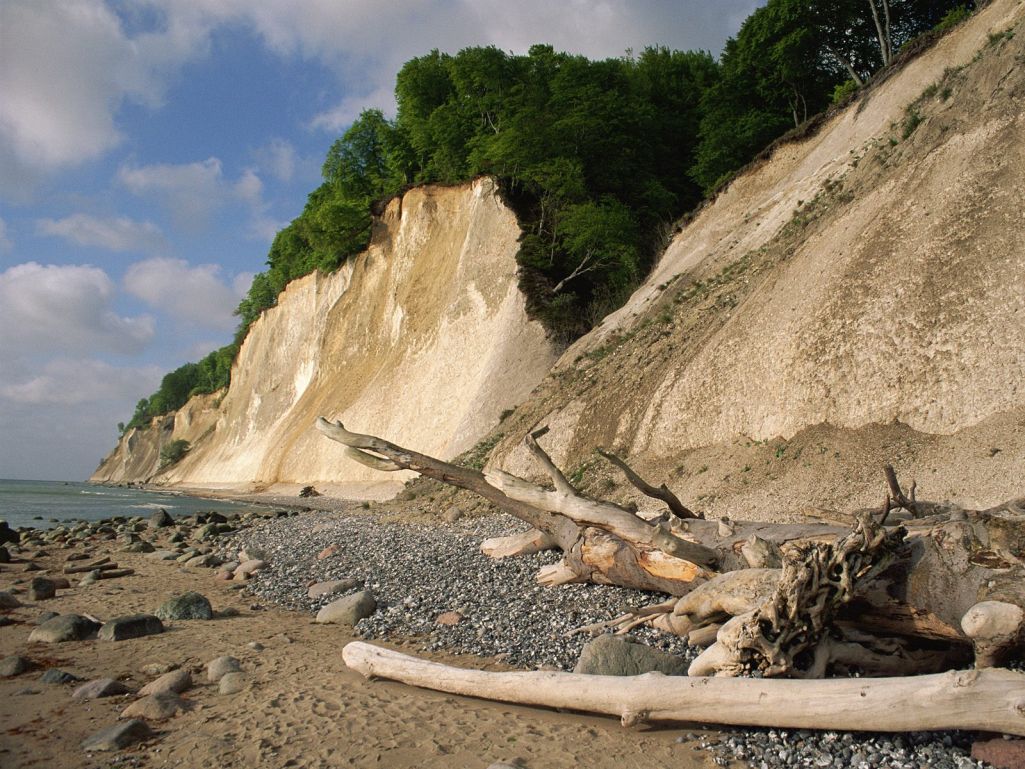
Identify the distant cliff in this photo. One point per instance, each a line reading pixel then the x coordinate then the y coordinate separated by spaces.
pixel 422 338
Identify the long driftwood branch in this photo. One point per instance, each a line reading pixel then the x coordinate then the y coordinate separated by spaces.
pixel 663 493
pixel 990 699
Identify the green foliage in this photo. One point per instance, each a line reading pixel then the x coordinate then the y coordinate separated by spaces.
pixel 953 17
pixel 843 91
pixel 173 452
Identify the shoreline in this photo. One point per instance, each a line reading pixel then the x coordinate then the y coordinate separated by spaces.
pixel 301 706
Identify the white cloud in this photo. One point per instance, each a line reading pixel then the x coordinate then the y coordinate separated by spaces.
pixel 194 296
pixel 66 381
pixel 58 308
pixel 5 241
pixel 279 158
pixel 66 67
pixel 117 234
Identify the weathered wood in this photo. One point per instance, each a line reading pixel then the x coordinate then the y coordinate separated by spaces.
pixel 525 543
pixel 663 493
pixel 991 699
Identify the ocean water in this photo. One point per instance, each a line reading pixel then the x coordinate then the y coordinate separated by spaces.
pixel 43 504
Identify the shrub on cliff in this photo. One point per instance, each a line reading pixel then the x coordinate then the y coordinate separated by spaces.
pixel 173 452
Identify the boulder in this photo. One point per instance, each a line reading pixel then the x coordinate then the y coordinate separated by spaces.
pixel 163 555
pixel 250 553
pixel 118 736
pixel 186 606
pixel 41 589
pixel 216 669
pixel 610 655
pixel 101 687
pixel 321 589
pixel 156 707
pixel 8 601
pixel 5 555
pixel 160 519
pixel 130 626
pixel 64 627
pixel 232 683
pixel 246 569
pixel 348 610
pixel 7 534
pixel 15 665
pixel 208 560
pixel 175 682
pixel 58 676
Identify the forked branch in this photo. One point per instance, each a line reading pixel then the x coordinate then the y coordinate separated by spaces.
pixel 676 507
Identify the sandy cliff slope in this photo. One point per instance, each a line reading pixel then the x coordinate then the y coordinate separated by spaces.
pixel 422 338
pixel 857 297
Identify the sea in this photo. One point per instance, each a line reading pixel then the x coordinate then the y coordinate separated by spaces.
pixel 44 504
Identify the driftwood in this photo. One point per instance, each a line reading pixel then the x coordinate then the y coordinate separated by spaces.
pixel 990 699
pixel 927 590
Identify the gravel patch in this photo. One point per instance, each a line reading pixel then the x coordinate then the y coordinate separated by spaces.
pixel 418 572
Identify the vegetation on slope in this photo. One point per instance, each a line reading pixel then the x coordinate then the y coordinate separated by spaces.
pixel 598 158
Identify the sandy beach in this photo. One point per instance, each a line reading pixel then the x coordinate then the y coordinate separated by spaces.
pixel 300 706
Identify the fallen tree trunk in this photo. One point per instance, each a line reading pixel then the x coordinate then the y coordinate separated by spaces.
pixel 989 699
pixel 908 601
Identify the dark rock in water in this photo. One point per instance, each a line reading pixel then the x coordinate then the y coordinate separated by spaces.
pixel 130 626
pixel 118 736
pixel 610 655
pixel 188 606
pixel 66 627
pixel 58 676
pixel 46 616
pixel 15 666
pixel 101 687
pixel 41 588
pixel 160 519
pixel 7 534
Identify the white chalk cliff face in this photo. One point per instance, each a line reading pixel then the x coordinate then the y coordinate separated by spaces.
pixel 423 338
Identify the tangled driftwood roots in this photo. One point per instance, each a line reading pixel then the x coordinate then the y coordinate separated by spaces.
pixel 777 600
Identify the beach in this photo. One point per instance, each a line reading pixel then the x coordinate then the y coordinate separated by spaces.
pixel 299 706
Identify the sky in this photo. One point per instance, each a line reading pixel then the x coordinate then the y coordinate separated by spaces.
pixel 150 149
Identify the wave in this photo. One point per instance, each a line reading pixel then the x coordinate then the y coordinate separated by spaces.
pixel 151 506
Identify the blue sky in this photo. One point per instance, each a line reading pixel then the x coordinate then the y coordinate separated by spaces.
pixel 149 151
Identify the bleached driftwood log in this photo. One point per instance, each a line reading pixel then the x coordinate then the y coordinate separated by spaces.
pixel 990 699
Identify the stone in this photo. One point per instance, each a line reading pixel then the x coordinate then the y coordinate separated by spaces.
pixel 448 618
pixel 41 589
pixel 611 655
pixel 65 627
pixel 175 682
pixel 163 555
pixel 218 668
pixel 190 605
pixel 321 589
pixel 1000 753
pixel 207 560
pixel 256 646
pixel 250 553
pixel 61 583
pixel 156 707
pixel 328 551
pixel 452 515
pixel 158 668
pixel 232 683
pixel 130 626
pixel 7 534
pixel 160 519
pixel 246 569
pixel 8 601
pixel 5 555
pixel 101 687
pixel 140 547
pixel 348 610
pixel 46 616
pixel 118 736
pixel 58 676
pixel 15 665
pixel 505 765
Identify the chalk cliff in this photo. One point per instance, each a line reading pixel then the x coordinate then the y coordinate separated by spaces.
pixel 423 338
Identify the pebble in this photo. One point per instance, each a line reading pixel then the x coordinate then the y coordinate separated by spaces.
pixel 221 666
pixel 118 736
pixel 348 610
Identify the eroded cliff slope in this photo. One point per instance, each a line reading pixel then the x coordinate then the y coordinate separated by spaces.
pixel 422 338
pixel 858 297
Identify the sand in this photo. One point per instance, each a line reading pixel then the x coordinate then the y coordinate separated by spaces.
pixel 301 707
